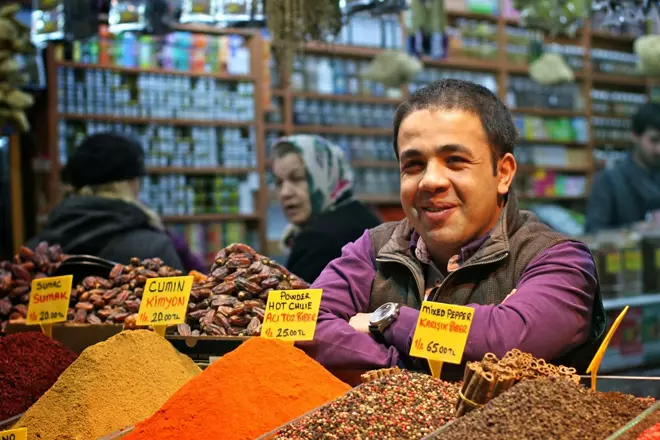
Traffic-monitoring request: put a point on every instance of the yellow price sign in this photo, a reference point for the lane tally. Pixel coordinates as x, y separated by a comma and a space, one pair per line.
14, 434
441, 334
291, 314
164, 302
49, 300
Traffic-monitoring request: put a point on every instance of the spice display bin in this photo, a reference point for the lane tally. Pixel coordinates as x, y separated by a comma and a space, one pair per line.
8, 423
202, 349
653, 410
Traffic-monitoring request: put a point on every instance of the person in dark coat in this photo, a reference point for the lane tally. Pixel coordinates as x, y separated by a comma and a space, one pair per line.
314, 185
101, 214
630, 190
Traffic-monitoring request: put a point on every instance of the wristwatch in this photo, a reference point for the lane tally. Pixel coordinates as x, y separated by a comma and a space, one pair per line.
382, 318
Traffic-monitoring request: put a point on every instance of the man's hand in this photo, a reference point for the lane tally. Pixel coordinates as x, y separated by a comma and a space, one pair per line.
360, 322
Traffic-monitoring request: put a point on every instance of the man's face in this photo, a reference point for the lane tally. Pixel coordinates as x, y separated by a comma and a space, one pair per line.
648, 148
447, 177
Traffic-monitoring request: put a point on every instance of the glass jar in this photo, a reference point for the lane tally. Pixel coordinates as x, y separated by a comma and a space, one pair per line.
651, 258
609, 263
632, 263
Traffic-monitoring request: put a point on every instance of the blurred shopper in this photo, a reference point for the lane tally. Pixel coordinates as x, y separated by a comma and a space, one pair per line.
314, 186
626, 193
101, 214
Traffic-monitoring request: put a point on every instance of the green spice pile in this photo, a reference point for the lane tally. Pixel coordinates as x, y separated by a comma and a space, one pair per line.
403, 406
547, 408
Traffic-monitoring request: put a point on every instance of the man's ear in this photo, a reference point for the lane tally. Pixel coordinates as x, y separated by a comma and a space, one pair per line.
506, 171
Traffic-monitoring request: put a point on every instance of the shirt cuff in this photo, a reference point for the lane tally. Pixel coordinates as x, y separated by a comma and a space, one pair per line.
398, 334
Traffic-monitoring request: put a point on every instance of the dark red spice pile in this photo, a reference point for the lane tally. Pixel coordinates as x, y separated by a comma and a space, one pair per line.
30, 363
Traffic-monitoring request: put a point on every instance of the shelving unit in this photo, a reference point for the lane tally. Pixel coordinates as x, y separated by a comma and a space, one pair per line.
503, 69
255, 220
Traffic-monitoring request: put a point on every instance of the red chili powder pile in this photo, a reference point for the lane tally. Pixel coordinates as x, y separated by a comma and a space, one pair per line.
254, 389
30, 363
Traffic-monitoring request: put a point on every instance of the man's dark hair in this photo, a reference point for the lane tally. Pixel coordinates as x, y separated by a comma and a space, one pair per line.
454, 94
647, 116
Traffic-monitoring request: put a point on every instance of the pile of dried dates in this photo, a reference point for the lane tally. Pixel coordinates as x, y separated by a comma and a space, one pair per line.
231, 301
114, 300
16, 278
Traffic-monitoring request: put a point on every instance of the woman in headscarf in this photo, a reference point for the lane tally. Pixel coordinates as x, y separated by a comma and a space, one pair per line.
314, 185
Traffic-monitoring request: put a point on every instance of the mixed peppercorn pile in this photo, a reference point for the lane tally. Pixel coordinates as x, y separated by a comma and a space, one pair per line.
400, 406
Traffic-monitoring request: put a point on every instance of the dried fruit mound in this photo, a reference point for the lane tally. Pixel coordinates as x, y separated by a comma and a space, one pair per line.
16, 276
232, 299
117, 299
30, 363
254, 389
404, 406
547, 408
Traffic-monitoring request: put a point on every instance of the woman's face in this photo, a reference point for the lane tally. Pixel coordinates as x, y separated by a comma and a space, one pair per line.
292, 188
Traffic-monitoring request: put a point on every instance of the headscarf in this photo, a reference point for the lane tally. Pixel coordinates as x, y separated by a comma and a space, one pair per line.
329, 176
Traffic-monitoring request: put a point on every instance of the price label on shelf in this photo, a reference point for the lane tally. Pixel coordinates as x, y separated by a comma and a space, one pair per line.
49, 300
291, 314
14, 434
164, 302
441, 333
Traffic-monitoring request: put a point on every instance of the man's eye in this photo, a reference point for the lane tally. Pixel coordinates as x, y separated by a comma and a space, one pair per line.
411, 165
456, 159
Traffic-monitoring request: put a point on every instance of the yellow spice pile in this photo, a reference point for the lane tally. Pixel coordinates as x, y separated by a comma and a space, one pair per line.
111, 385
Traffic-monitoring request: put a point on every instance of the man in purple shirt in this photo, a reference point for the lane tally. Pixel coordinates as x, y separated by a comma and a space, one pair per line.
464, 242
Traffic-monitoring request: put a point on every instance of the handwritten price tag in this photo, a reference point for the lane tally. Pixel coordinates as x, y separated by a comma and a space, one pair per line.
14, 434
291, 314
49, 300
441, 332
165, 301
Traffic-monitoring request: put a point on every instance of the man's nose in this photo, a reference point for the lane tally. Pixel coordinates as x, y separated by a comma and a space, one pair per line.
435, 178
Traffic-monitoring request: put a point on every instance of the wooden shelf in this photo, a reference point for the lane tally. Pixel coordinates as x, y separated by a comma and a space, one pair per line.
557, 198
551, 142
342, 50
525, 168
349, 98
473, 15
623, 80
616, 144
375, 164
548, 112
154, 121
206, 171
280, 93
603, 35
376, 199
208, 29
158, 71
523, 69
611, 116
192, 218
462, 63
358, 131
275, 127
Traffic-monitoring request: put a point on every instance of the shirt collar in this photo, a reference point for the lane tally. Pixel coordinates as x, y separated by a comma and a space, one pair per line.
418, 246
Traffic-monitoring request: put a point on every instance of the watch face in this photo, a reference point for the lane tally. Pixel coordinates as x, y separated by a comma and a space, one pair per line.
382, 312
